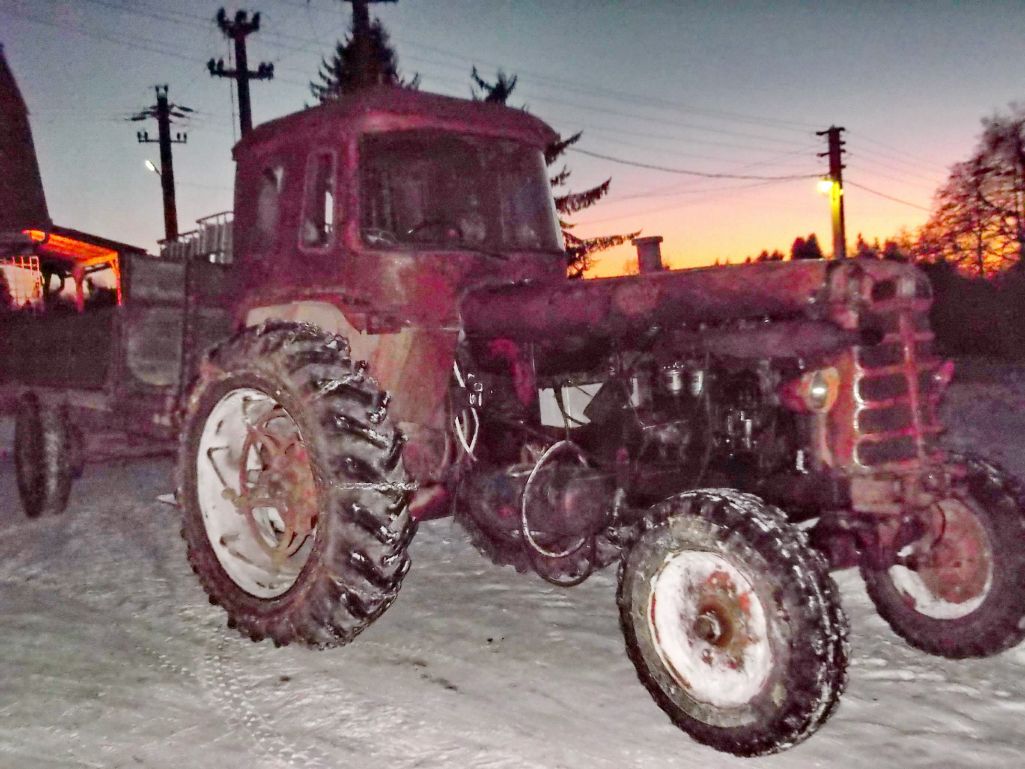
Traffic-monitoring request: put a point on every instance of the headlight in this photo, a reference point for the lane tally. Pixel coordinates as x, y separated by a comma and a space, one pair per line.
815, 391
819, 389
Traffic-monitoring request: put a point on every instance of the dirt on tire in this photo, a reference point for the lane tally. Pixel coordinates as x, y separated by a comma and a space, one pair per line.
805, 624
358, 555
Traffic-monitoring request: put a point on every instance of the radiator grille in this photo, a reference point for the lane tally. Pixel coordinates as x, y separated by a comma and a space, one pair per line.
896, 388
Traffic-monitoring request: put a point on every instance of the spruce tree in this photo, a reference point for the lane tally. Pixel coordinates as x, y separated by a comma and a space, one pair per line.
806, 248
578, 250
339, 76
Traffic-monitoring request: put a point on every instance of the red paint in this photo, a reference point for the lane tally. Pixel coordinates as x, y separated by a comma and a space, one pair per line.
520, 369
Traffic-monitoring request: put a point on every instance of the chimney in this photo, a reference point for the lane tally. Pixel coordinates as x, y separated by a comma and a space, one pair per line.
649, 254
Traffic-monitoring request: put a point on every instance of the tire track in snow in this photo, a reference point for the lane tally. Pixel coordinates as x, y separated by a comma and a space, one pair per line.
379, 735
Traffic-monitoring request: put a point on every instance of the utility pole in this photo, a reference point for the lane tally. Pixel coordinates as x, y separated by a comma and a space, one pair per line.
835, 154
361, 39
237, 30
164, 112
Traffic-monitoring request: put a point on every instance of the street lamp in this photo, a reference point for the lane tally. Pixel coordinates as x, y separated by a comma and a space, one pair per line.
152, 166
834, 188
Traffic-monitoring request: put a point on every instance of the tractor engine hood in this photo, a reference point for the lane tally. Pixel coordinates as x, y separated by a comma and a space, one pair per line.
611, 308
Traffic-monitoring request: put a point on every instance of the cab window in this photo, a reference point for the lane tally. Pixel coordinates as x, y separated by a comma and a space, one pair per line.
268, 208
317, 227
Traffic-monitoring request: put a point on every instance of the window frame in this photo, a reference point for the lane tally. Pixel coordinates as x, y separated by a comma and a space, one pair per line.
309, 180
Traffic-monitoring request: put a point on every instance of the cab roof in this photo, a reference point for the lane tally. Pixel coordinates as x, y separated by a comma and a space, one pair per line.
390, 108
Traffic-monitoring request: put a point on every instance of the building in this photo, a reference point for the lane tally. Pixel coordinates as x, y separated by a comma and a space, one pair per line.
39, 256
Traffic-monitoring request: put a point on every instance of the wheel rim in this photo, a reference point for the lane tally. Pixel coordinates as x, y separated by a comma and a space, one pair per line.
710, 628
949, 573
256, 492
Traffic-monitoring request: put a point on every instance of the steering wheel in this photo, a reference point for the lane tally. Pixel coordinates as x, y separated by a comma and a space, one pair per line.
378, 237
450, 231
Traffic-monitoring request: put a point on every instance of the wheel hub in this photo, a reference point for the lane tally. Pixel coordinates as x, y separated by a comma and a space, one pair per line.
710, 628
282, 482
949, 572
257, 491
958, 564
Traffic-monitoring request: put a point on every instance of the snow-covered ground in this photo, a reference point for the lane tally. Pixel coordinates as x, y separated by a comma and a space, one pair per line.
110, 656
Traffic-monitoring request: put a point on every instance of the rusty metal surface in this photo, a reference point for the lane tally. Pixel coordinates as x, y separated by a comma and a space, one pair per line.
784, 339
628, 305
398, 307
379, 288
885, 418
386, 109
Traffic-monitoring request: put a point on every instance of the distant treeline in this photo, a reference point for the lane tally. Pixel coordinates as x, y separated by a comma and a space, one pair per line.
978, 315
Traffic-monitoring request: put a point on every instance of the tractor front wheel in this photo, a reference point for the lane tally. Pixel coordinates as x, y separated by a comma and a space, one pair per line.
733, 623
959, 589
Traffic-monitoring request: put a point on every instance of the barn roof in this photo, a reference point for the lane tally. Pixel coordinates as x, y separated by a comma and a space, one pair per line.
22, 201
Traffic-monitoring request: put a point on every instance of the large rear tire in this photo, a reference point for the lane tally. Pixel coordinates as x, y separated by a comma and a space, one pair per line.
959, 590
292, 487
43, 459
733, 623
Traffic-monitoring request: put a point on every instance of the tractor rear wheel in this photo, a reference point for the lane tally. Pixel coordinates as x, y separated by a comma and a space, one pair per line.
292, 487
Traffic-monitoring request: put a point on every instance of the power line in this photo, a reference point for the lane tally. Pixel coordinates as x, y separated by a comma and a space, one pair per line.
713, 193
915, 159
904, 177
690, 172
99, 36
620, 96
919, 169
680, 138
677, 192
873, 169
540, 81
551, 84
730, 152
888, 197
537, 80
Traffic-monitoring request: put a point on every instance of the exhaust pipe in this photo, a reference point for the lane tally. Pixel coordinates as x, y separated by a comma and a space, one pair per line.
649, 254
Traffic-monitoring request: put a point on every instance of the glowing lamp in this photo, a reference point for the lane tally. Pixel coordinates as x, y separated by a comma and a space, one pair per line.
814, 392
825, 186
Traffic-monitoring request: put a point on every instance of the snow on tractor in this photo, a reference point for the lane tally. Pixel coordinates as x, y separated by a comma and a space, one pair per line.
396, 340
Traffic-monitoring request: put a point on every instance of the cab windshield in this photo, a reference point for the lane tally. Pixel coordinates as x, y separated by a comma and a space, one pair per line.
428, 190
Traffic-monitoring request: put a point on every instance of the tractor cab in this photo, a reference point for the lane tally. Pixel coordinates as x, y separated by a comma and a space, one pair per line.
397, 198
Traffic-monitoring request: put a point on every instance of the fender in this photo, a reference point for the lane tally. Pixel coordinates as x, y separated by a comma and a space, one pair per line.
413, 364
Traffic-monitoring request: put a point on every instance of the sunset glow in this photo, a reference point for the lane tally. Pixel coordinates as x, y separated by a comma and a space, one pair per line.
716, 122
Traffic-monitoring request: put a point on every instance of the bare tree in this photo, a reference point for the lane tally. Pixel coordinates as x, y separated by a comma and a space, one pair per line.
979, 221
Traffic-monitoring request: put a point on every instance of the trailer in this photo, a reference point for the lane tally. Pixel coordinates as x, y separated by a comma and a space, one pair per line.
93, 357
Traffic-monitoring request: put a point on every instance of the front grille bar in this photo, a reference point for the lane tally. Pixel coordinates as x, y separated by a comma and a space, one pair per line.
900, 438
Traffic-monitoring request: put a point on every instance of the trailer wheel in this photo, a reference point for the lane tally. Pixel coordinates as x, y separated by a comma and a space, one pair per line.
42, 456
292, 487
959, 590
733, 623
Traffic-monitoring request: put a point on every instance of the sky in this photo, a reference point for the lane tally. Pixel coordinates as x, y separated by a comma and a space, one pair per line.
658, 87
